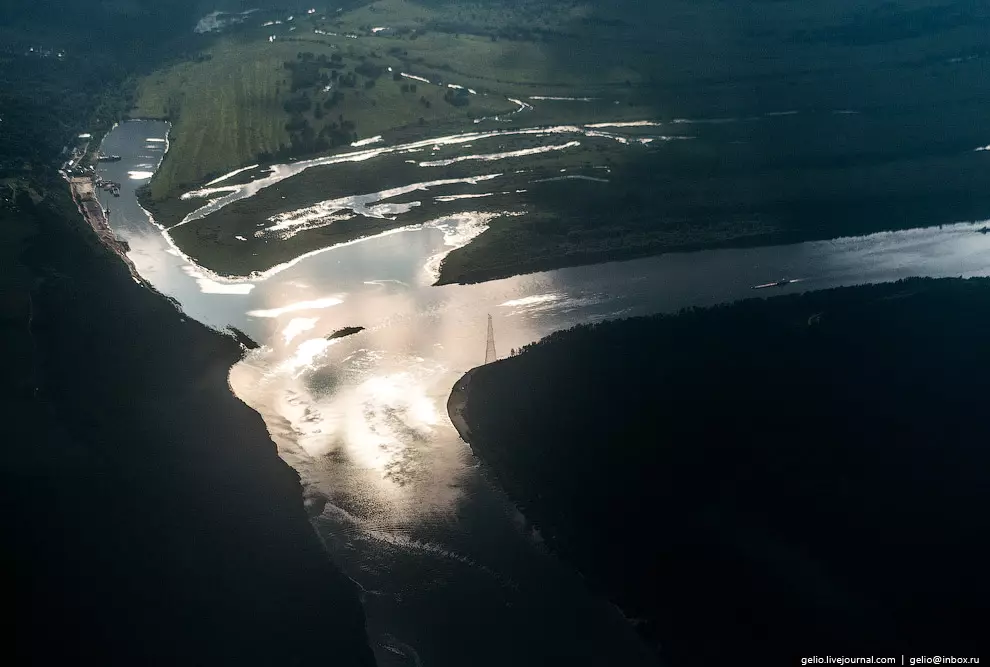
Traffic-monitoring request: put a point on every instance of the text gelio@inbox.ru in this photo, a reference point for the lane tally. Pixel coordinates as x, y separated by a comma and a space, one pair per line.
880, 660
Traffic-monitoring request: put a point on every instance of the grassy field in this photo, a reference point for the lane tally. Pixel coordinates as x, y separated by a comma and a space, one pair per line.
800, 123
675, 59
226, 111
229, 109
678, 58
229, 105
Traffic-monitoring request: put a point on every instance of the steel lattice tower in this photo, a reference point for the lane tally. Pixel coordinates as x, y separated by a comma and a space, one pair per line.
490, 354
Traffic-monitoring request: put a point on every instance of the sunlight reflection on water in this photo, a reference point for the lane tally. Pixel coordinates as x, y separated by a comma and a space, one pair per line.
363, 418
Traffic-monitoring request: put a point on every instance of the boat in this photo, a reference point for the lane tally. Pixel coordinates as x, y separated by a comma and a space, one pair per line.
108, 158
779, 283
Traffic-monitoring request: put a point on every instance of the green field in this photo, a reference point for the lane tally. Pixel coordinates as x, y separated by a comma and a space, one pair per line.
229, 104
228, 110
800, 122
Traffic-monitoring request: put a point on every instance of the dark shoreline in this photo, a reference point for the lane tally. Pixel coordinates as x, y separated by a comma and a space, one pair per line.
456, 404
157, 523
800, 477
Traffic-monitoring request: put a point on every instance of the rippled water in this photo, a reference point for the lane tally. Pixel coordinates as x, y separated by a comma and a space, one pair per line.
451, 572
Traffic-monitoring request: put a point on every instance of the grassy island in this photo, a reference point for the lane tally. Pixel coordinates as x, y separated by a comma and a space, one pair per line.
773, 124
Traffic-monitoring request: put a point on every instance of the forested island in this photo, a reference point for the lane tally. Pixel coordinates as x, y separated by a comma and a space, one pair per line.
758, 482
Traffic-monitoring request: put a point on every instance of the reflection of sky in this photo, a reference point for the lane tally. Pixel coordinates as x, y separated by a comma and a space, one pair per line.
297, 326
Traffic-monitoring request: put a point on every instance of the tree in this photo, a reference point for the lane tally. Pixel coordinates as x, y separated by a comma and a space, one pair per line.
298, 104
369, 69
457, 99
172, 107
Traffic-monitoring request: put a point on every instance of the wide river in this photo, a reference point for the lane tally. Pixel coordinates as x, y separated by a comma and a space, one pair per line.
450, 571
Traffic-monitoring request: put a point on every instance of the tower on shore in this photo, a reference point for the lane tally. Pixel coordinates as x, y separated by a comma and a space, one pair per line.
490, 354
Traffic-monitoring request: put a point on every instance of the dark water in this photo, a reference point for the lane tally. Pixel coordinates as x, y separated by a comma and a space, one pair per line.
452, 573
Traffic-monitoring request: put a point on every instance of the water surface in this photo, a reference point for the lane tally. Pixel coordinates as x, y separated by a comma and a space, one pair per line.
452, 573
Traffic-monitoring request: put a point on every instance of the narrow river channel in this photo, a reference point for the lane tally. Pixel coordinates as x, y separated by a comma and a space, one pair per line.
450, 571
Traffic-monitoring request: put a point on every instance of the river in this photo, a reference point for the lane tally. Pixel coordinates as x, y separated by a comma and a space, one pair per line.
451, 572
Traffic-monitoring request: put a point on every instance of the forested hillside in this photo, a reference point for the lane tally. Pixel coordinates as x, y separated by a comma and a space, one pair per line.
767, 480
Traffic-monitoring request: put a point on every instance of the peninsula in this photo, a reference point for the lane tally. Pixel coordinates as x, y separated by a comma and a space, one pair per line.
756, 481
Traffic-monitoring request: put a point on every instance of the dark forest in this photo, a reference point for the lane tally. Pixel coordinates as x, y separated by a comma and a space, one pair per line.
766, 480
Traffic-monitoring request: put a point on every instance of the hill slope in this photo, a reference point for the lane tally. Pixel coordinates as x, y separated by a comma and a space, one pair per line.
767, 480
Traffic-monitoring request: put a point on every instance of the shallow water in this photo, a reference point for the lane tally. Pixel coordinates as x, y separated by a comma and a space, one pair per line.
451, 572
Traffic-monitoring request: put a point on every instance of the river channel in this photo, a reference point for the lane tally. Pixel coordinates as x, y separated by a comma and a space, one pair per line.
450, 571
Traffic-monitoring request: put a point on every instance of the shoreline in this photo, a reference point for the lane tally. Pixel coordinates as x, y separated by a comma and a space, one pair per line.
457, 403
99, 224
467, 271
476, 276
548, 436
196, 530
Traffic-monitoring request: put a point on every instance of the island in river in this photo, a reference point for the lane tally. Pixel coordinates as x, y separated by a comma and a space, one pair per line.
762, 481
344, 332
679, 136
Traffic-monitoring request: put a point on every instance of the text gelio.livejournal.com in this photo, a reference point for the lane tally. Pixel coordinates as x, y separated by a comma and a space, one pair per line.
885, 660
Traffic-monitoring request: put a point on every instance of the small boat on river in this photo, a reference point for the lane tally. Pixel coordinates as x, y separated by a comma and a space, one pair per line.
779, 283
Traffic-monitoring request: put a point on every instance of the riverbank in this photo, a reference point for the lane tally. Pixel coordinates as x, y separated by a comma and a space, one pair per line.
92, 211
493, 256
155, 522
801, 464
457, 403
